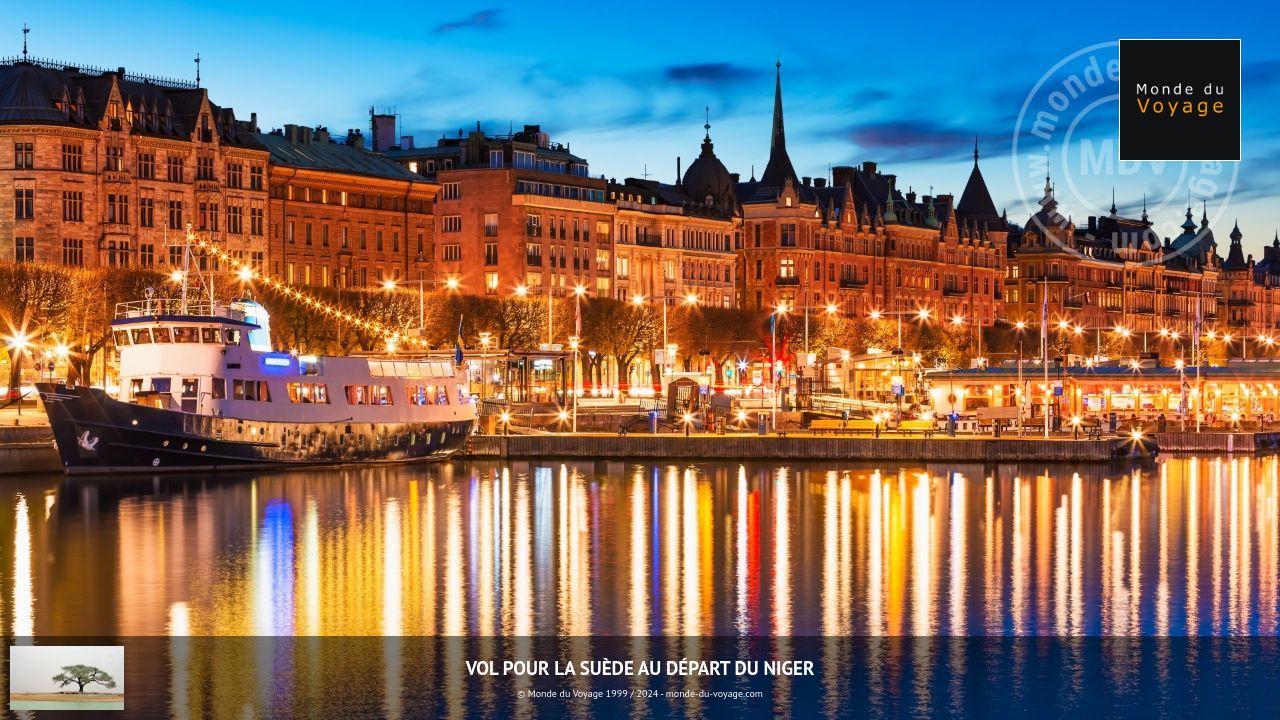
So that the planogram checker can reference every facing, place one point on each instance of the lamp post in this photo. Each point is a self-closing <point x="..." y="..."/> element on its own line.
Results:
<point x="773" y="360"/>
<point x="921" y="314"/>
<point x="573" y="343"/>
<point x="485" y="337"/>
<point x="578" y="292"/>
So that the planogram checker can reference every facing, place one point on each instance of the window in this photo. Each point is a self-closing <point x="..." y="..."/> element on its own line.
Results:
<point x="602" y="260"/>
<point x="495" y="158"/>
<point x="491" y="253"/>
<point x="234" y="220"/>
<point x="115" y="158"/>
<point x="147" y="212"/>
<point x="491" y="283"/>
<point x="452" y="224"/>
<point x="175" y="214"/>
<point x="147" y="166"/>
<point x="146" y="255"/>
<point x="369" y="395"/>
<point x="308" y="393"/>
<point x="306" y="233"/>
<point x="204" y="167"/>
<point x="186" y="334"/>
<point x="173" y="168"/>
<point x="788" y="234"/>
<point x="251" y="390"/>
<point x="72" y="206"/>
<point x="534" y="254"/>
<point x="255" y="177"/>
<point x="452" y="191"/>
<point x="491" y="225"/>
<point x="787" y="268"/>
<point x="234" y="175"/>
<point x="256" y="221"/>
<point x="118" y="208"/>
<point x="623" y="268"/>
<point x="759" y="269"/>
<point x="452" y="253"/>
<point x="24" y="154"/>
<point x="24" y="204"/>
<point x="72" y="157"/>
<point x="24" y="249"/>
<point x="72" y="251"/>
<point x="219" y="388"/>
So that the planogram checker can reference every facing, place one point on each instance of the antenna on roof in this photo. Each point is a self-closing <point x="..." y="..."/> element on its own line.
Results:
<point x="197" y="69"/>
<point x="25" y="31"/>
<point x="646" y="171"/>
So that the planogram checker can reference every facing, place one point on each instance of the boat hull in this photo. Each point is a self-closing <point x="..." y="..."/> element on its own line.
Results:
<point x="98" y="434"/>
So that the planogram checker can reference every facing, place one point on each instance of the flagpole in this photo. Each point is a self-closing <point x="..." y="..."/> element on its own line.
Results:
<point x="1044" y="348"/>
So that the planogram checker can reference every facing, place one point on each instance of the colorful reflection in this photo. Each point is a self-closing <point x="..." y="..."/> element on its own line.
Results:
<point x="1186" y="546"/>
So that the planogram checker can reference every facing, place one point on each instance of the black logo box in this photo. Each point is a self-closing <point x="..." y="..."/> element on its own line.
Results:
<point x="1187" y="68"/>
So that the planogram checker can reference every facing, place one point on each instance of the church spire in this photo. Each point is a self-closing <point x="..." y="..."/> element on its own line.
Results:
<point x="779" y="168"/>
<point x="1113" y="201"/>
<point x="975" y="201"/>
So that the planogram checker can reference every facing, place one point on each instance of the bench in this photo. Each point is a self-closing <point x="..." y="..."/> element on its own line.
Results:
<point x="924" y="427"/>
<point x="842" y="426"/>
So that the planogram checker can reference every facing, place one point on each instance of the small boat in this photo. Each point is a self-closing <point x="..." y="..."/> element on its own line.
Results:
<point x="201" y="389"/>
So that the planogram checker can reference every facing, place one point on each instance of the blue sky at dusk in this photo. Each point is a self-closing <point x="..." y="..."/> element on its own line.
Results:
<point x="905" y="85"/>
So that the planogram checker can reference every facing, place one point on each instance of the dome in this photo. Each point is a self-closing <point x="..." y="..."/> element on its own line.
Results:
<point x="708" y="177"/>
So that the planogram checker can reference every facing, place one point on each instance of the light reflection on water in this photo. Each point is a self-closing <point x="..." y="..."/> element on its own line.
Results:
<point x="1188" y="546"/>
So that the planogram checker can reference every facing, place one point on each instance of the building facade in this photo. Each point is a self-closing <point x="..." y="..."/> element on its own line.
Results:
<point x="109" y="168"/>
<point x="342" y="216"/>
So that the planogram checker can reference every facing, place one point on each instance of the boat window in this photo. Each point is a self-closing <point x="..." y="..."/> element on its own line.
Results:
<point x="463" y="398"/>
<point x="308" y="393"/>
<point x="161" y="384"/>
<point x="135" y="387"/>
<point x="442" y="395"/>
<point x="141" y="336"/>
<point x="122" y="338"/>
<point x="210" y="335"/>
<point x="308" y="365"/>
<point x="253" y="390"/>
<point x="418" y="394"/>
<point x="231" y="336"/>
<point x="190" y="387"/>
<point x="368" y="395"/>
<point x="219" y="389"/>
<point x="186" y="334"/>
<point x="162" y="335"/>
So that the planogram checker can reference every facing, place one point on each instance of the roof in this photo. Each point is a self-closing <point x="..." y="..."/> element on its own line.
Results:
<point x="305" y="148"/>
<point x="975" y="201"/>
<point x="779" y="169"/>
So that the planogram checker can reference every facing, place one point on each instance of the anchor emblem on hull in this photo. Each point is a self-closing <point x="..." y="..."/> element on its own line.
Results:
<point x="87" y="442"/>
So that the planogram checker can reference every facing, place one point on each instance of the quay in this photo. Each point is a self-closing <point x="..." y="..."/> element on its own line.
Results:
<point x="797" y="446"/>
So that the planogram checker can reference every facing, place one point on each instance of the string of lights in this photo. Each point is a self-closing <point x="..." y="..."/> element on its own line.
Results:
<point x="247" y="273"/>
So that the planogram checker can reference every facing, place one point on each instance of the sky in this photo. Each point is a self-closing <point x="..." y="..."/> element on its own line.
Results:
<point x="32" y="667"/>
<point x="627" y="86"/>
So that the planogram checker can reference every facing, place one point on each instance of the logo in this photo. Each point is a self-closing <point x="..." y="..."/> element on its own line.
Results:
<point x="87" y="442"/>
<point x="1180" y="100"/>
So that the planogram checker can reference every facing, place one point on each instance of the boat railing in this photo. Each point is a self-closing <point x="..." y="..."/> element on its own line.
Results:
<point x="174" y="306"/>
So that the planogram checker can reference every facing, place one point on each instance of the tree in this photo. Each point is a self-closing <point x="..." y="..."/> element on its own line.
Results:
<point x="621" y="330"/>
<point x="83" y="675"/>
<point x="33" y="301"/>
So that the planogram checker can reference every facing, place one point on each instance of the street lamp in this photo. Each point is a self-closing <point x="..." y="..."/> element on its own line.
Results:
<point x="773" y="360"/>
<point x="573" y="343"/>
<point x="245" y="274"/>
<point x="485" y="337"/>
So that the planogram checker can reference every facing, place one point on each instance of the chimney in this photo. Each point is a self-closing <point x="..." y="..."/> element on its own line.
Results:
<point x="806" y="180"/>
<point x="291" y="133"/>
<point x="406" y="142"/>
<point x="819" y="182"/>
<point x="1093" y="225"/>
<point x="120" y="71"/>
<point x="384" y="131"/>
<point x="868" y="167"/>
<point x="841" y="175"/>
<point x="735" y="177"/>
<point x="911" y="195"/>
<point x="321" y="134"/>
<point x="355" y="138"/>
<point x="253" y="121"/>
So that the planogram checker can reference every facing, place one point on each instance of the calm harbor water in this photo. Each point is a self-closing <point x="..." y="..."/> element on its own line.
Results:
<point x="642" y="560"/>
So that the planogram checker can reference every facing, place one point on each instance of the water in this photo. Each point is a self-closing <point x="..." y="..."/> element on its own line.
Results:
<point x="865" y="571"/>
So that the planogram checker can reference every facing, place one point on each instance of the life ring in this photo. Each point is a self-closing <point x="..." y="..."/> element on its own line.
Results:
<point x="1210" y="419"/>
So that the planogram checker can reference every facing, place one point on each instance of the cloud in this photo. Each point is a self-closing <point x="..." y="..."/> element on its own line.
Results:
<point x="490" y="19"/>
<point x="869" y="96"/>
<point x="1261" y="73"/>
<point x="907" y="140"/>
<point x="710" y="73"/>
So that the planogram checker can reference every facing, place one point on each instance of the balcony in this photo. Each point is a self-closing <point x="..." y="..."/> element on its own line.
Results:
<point x="649" y="241"/>
<point x="534" y="261"/>
<point x="533" y="230"/>
<point x="1239" y="302"/>
<point x="208" y="186"/>
<point x="1172" y="312"/>
<point x="788" y="280"/>
<point x="953" y="292"/>
<point x="1144" y="311"/>
<point x="851" y="283"/>
<point x="116" y="176"/>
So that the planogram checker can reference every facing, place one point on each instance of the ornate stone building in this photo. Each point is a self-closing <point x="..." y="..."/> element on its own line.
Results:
<point x="108" y="168"/>
<point x="862" y="245"/>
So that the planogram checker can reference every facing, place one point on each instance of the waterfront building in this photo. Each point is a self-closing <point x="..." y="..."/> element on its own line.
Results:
<point x="517" y="214"/>
<point x="342" y="216"/>
<point x="107" y="167"/>
<point x="861" y="244"/>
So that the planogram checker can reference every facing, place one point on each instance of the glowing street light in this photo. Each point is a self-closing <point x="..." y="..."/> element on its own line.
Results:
<point x="388" y="284"/>
<point x="177" y="276"/>
<point x="957" y="320"/>
<point x="522" y="291"/>
<point x="1020" y="325"/>
<point x="451" y="283"/>
<point x="245" y="274"/>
